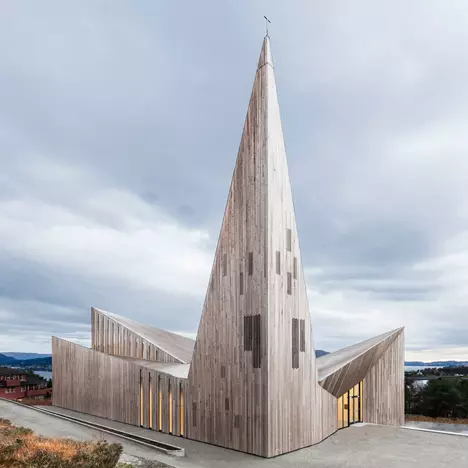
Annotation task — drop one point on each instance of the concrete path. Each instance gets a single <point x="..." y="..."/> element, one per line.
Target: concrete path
<point x="50" y="426"/>
<point x="360" y="446"/>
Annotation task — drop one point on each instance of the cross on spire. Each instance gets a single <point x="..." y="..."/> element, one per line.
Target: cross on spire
<point x="266" y="24"/>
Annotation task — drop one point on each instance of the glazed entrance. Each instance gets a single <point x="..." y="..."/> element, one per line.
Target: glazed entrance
<point x="350" y="406"/>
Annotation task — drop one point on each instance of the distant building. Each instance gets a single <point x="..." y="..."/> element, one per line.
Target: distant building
<point x="18" y="385"/>
<point x="250" y="381"/>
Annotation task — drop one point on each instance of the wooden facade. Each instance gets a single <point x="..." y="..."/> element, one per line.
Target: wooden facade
<point x="250" y="381"/>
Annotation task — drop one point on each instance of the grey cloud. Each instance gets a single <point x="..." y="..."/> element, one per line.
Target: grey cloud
<point x="117" y="120"/>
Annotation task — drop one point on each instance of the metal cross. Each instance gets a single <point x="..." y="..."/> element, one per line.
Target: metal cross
<point x="266" y="24"/>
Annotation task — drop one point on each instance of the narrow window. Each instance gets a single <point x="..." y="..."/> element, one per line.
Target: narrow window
<point x="278" y="263"/>
<point x="226" y="404"/>
<point x="223" y="372"/>
<point x="289" y="285"/>
<point x="160" y="403"/>
<point x="170" y="408"/>
<point x="142" y="350"/>
<point x="150" y="402"/>
<point x="248" y="333"/>
<point x="182" y="410"/>
<point x="256" y="341"/>
<point x="295" y="343"/>
<point x="288" y="240"/>
<point x="241" y="283"/>
<point x="302" y="332"/>
<point x="295" y="268"/>
<point x="250" y="263"/>
<point x="194" y="414"/>
<point x="136" y="349"/>
<point x="141" y="400"/>
<point x="224" y="264"/>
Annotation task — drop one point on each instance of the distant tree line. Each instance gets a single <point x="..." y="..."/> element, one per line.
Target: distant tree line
<point x="441" y="371"/>
<point x="445" y="398"/>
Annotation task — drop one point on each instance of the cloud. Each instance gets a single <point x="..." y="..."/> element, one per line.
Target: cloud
<point x="120" y="124"/>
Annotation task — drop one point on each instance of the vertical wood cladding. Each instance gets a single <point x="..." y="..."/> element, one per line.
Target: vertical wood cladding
<point x="233" y="327"/>
<point x="104" y="385"/>
<point x="302" y="335"/>
<point x="111" y="337"/>
<point x="384" y="390"/>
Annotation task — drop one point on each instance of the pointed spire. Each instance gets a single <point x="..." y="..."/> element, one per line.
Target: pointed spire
<point x="265" y="54"/>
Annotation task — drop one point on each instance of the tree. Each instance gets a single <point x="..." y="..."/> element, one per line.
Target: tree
<point x="442" y="398"/>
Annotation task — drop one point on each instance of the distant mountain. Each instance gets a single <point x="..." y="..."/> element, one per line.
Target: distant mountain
<point x="25" y="356"/>
<point x="39" y="362"/>
<point x="320" y="352"/>
<point x="436" y="363"/>
<point x="6" y="360"/>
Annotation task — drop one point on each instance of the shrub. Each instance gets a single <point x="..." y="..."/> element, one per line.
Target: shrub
<point x="21" y="448"/>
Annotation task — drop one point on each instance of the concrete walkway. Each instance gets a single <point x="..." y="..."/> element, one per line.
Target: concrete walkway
<point x="360" y="446"/>
<point x="51" y="426"/>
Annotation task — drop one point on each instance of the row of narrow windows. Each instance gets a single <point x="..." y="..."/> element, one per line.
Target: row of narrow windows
<point x="252" y="338"/>
<point x="298" y="340"/>
<point x="147" y="408"/>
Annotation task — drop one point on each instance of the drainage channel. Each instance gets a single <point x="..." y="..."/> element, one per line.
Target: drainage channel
<point x="168" y="449"/>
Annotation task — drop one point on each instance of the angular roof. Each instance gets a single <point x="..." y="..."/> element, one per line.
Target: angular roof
<point x="175" y="369"/>
<point x="176" y="345"/>
<point x="341" y="370"/>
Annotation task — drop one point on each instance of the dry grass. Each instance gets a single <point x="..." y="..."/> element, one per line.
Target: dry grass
<point x="33" y="402"/>
<point x="418" y="417"/>
<point x="21" y="448"/>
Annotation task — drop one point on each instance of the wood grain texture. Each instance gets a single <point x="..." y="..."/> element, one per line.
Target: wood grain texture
<point x="340" y="371"/>
<point x="108" y="386"/>
<point x="113" y="334"/>
<point x="384" y="389"/>
<point x="221" y="342"/>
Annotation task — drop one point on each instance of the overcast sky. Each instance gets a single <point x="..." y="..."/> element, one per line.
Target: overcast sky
<point x="119" y="128"/>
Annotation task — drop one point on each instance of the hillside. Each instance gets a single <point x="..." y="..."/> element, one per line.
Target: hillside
<point x="24" y="356"/>
<point x="7" y="360"/>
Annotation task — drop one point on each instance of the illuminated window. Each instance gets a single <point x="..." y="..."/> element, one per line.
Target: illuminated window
<point x="160" y="404"/>
<point x="141" y="399"/>
<point x="170" y="408"/>
<point x="182" y="406"/>
<point x="150" y="402"/>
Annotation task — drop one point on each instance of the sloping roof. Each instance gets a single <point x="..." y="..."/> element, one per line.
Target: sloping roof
<point x="171" y="368"/>
<point x="341" y="370"/>
<point x="176" y="345"/>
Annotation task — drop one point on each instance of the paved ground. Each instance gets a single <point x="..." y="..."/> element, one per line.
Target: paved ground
<point x="50" y="426"/>
<point x="459" y="428"/>
<point x="360" y="446"/>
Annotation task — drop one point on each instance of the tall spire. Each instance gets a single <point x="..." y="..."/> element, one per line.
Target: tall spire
<point x="254" y="352"/>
